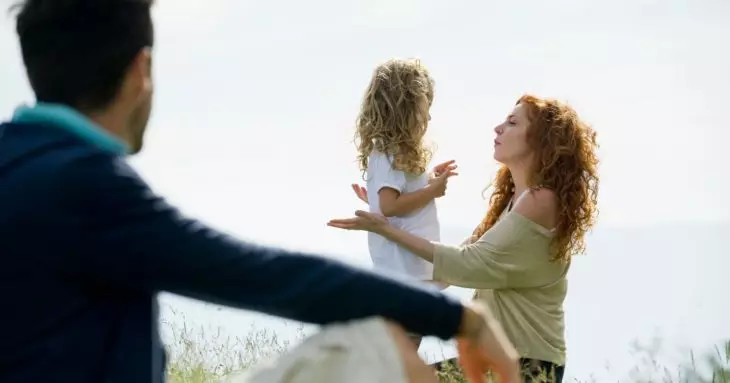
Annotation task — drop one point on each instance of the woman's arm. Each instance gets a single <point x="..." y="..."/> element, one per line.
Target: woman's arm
<point x="415" y="244"/>
<point x="533" y="207"/>
<point x="497" y="260"/>
<point x="483" y="264"/>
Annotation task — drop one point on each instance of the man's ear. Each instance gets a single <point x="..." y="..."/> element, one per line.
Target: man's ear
<point x="138" y="80"/>
<point x="144" y="65"/>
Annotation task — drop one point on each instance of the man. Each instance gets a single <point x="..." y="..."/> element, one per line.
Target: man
<point x="87" y="245"/>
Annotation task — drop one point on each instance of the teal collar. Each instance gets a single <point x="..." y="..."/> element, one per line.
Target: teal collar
<point x="69" y="119"/>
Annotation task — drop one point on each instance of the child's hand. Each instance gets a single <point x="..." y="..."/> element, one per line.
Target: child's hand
<point x="443" y="167"/>
<point x="360" y="192"/>
<point x="438" y="184"/>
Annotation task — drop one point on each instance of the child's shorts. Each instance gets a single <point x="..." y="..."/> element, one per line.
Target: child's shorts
<point x="358" y="352"/>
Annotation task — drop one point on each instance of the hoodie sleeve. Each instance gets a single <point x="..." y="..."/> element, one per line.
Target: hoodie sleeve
<point x="135" y="240"/>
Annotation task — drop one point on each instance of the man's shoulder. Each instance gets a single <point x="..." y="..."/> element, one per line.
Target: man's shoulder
<point x="35" y="154"/>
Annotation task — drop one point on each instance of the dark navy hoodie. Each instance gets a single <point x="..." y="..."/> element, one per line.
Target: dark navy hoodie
<point x="85" y="246"/>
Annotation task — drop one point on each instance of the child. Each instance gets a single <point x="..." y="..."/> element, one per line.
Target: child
<point x="390" y="128"/>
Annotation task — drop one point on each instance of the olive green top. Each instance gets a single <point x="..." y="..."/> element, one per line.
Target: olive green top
<point x="510" y="268"/>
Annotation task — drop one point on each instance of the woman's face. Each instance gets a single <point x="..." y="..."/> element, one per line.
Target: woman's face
<point x="510" y="145"/>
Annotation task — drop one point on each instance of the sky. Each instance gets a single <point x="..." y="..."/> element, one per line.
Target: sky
<point x="256" y="101"/>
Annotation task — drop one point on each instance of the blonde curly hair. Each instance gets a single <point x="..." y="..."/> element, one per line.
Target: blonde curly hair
<point x="565" y="162"/>
<point x="394" y="115"/>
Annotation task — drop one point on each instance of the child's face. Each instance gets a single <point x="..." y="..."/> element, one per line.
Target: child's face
<point x="425" y="114"/>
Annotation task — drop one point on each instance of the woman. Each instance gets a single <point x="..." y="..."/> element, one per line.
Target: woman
<point x="543" y="203"/>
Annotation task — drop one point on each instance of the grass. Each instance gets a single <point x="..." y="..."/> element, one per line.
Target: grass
<point x="199" y="357"/>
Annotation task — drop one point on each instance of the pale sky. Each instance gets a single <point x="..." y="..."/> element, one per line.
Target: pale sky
<point x="256" y="101"/>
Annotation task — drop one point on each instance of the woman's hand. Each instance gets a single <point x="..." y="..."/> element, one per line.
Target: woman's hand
<point x="362" y="221"/>
<point x="378" y="224"/>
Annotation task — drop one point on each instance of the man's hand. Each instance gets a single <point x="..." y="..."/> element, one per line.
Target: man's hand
<point x="483" y="346"/>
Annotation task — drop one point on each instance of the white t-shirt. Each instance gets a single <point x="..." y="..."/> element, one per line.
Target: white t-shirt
<point x="387" y="256"/>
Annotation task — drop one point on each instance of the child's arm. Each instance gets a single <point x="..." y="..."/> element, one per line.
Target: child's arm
<point x="392" y="203"/>
<point x="389" y="184"/>
<point x="395" y="204"/>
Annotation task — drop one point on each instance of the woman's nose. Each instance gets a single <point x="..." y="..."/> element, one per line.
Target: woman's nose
<point x="498" y="129"/>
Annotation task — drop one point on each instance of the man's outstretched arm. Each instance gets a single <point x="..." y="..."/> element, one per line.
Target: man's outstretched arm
<point x="135" y="240"/>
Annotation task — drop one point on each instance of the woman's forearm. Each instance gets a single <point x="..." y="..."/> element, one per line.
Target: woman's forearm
<point x="416" y="245"/>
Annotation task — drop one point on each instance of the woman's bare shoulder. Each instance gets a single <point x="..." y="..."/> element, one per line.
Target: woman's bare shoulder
<point x="539" y="205"/>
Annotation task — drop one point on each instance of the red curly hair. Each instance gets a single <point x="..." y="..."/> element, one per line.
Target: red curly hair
<point x="565" y="162"/>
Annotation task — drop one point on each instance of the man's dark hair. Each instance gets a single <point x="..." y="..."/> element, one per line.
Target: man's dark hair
<point x="76" y="52"/>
